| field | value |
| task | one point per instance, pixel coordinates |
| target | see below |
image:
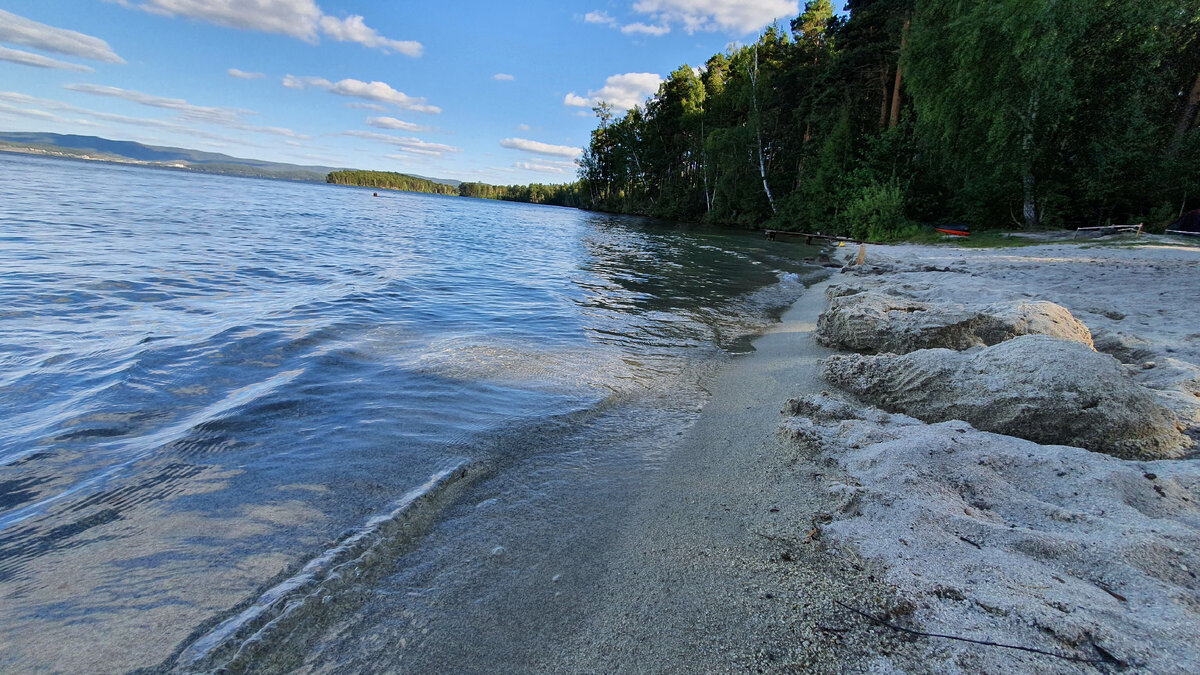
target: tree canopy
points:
(536, 193)
(1056, 112)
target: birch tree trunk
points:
(762, 169)
(1027, 180)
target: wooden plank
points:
(809, 236)
(1110, 229)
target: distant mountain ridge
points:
(94, 147)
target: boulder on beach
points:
(873, 322)
(1036, 387)
(1051, 547)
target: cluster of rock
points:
(1024, 368)
(994, 537)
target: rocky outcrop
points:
(1006, 320)
(1036, 387)
(873, 322)
(1045, 546)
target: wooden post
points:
(862, 254)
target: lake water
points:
(297, 426)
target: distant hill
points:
(94, 147)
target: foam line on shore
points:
(287, 597)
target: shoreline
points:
(711, 573)
(768, 528)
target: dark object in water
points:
(1188, 224)
(956, 230)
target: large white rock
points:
(873, 322)
(995, 538)
(1035, 387)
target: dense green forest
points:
(537, 193)
(558, 195)
(998, 113)
(389, 180)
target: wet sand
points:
(716, 570)
(760, 536)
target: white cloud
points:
(733, 16)
(187, 110)
(21, 31)
(599, 17)
(232, 118)
(352, 29)
(243, 75)
(293, 82)
(539, 148)
(301, 19)
(31, 113)
(622, 91)
(295, 18)
(393, 123)
(547, 166)
(524, 127)
(371, 91)
(39, 61)
(577, 100)
(643, 28)
(139, 122)
(363, 106)
(505, 77)
(407, 144)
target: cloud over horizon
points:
(539, 148)
(39, 61)
(393, 123)
(622, 91)
(733, 16)
(546, 166)
(381, 92)
(18, 30)
(301, 19)
(139, 122)
(243, 75)
(232, 118)
(603, 19)
(407, 144)
(352, 29)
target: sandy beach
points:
(786, 542)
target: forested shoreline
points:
(998, 114)
(536, 193)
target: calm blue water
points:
(207, 382)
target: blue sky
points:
(498, 92)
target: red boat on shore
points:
(956, 230)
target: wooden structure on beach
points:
(1104, 230)
(772, 235)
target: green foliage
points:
(876, 213)
(536, 193)
(389, 180)
(1044, 113)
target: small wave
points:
(135, 450)
(288, 600)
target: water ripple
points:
(206, 380)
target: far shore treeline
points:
(996, 114)
(558, 195)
